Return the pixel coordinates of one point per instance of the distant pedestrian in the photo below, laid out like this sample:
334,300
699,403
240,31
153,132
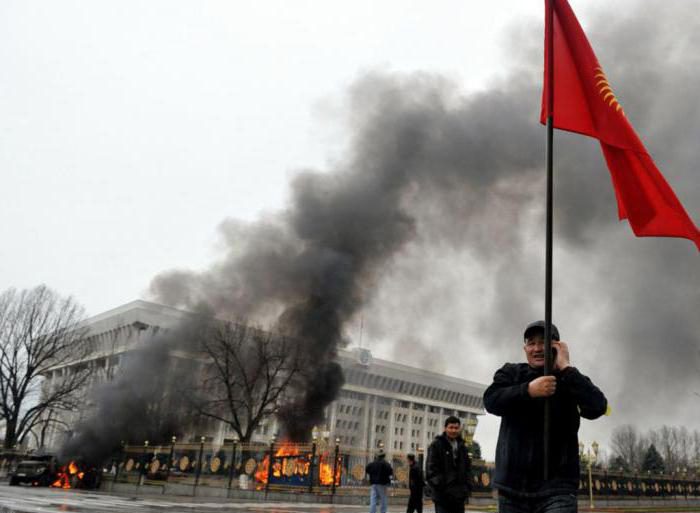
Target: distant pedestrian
416,483
379,472
448,469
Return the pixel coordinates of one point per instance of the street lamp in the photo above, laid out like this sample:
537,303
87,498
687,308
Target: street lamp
469,430
589,455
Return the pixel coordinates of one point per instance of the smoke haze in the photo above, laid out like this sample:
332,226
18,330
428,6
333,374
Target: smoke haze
142,402
431,227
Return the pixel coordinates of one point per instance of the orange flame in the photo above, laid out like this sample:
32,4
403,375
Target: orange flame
65,475
325,473
299,466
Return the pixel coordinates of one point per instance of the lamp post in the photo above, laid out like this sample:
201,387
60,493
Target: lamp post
232,463
589,455
312,462
199,465
170,461
335,465
273,439
120,464
469,430
143,470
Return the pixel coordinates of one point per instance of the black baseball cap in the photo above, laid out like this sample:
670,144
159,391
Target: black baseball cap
538,327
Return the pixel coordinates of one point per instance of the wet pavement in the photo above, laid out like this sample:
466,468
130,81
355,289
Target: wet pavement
20,499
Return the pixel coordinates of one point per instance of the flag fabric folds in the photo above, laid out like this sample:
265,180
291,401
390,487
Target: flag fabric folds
585,103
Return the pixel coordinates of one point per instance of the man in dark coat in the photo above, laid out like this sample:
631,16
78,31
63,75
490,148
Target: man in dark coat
416,483
517,395
448,469
379,472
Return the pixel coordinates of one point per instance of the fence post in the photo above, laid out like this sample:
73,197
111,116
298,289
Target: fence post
269,465
199,466
122,457
335,467
170,462
143,466
231,466
311,465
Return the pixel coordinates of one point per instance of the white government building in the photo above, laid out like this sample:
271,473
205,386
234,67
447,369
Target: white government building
382,404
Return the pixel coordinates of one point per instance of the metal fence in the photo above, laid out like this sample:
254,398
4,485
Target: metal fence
332,469
620,485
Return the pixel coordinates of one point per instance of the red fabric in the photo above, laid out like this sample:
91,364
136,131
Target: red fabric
584,103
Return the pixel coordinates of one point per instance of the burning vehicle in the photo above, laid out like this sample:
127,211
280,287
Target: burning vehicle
45,471
75,475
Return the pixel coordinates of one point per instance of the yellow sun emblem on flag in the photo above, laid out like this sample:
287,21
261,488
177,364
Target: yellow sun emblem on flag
606,91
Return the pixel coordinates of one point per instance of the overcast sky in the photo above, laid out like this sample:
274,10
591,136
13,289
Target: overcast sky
130,130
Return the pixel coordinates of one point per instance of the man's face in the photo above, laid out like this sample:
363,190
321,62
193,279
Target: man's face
452,430
534,350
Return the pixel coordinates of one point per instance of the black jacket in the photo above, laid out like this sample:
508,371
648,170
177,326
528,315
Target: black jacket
449,477
379,472
519,452
416,482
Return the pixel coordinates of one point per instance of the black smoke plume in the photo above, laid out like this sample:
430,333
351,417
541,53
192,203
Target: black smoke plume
141,401
431,224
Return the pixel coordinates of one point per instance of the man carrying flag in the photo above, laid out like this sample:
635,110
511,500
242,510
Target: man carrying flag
517,395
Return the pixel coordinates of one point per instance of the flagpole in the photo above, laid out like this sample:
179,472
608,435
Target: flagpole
550,222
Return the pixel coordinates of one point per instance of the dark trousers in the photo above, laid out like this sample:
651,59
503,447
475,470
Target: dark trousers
450,506
565,503
415,502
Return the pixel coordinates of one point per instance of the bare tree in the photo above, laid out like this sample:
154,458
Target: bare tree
39,330
627,446
246,374
675,445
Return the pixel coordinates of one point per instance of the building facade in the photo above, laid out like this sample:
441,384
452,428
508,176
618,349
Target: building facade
383,404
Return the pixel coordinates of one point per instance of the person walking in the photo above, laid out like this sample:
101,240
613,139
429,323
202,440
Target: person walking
379,472
416,483
448,471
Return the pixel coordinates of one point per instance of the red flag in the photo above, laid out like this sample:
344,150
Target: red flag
584,102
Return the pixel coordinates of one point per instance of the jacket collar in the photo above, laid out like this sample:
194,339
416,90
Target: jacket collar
446,440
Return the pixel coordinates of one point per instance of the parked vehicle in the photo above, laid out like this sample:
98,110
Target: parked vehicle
35,470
